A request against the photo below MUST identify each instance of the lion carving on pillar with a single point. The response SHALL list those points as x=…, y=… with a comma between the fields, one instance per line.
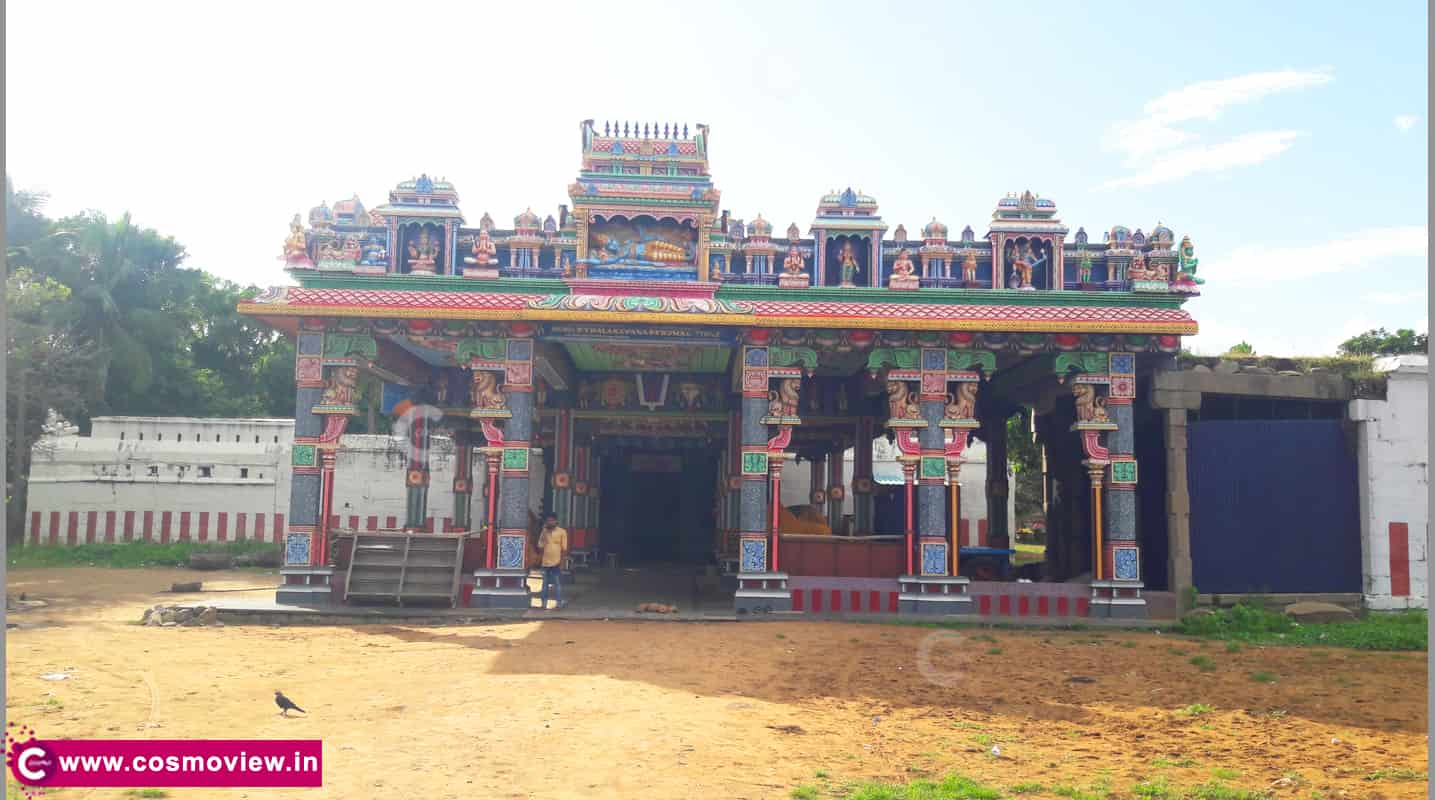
x=963, y=404
x=1089, y=407
x=900, y=404
x=340, y=388
x=486, y=394
x=783, y=401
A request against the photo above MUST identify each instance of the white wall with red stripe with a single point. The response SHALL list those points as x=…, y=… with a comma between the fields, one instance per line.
x=167, y=479
x=1394, y=467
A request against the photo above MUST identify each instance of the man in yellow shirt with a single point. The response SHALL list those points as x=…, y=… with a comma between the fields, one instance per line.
x=552, y=548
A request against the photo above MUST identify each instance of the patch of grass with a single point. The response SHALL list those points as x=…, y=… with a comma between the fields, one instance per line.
x=148, y=793
x=1253, y=624
x=984, y=637
x=128, y=555
x=1176, y=651
x=1183, y=761
x=1203, y=663
x=1128, y=643
x=1263, y=677
x=782, y=636
x=1341, y=680
x=1220, y=791
x=1073, y=793
x=1225, y=774
x=952, y=787
x=983, y=739
x=1233, y=647
x=994, y=651
x=805, y=793
x=822, y=773
x=1396, y=775
x=1195, y=710
x=1026, y=788
x=1156, y=789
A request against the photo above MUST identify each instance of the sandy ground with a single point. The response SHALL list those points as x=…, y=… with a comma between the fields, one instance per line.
x=741, y=710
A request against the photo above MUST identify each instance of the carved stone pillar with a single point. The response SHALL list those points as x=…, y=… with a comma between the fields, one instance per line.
x=462, y=479
x=760, y=588
x=303, y=578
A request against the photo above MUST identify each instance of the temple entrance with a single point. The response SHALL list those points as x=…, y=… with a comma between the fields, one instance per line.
x=658, y=530
x=659, y=506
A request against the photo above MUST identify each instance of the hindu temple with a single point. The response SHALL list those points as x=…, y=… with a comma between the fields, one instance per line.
x=661, y=358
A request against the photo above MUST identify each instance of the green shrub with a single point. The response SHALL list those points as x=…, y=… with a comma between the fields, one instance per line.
x=1252, y=624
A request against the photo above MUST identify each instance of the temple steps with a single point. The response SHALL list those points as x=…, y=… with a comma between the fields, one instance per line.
x=405, y=568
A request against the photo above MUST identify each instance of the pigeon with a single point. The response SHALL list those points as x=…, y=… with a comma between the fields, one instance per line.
x=285, y=704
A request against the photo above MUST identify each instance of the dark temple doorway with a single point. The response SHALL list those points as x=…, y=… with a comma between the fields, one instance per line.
x=658, y=506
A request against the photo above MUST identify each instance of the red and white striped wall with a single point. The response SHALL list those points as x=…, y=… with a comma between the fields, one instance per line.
x=818, y=595
x=92, y=527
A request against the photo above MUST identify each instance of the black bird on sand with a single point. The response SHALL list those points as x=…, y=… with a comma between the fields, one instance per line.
x=285, y=704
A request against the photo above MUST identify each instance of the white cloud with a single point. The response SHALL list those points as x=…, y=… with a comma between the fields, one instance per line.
x=1242, y=151
x=1207, y=99
x=1260, y=265
x=1148, y=143
x=1405, y=122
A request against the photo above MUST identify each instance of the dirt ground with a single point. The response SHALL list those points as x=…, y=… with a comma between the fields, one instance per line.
x=720, y=710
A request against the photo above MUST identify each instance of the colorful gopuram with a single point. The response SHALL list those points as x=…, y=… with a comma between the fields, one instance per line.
x=657, y=360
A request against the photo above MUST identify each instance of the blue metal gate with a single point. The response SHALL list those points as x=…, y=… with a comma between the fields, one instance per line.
x=1274, y=507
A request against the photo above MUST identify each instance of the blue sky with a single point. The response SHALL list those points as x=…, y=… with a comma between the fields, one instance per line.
x=1287, y=139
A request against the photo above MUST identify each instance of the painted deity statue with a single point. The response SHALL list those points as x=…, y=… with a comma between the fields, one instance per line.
x=423, y=254
x=648, y=249
x=1089, y=407
x=345, y=251
x=1025, y=264
x=295, y=248
x=969, y=268
x=848, y=260
x=485, y=252
x=1083, y=269
x=340, y=388
x=794, y=263
x=962, y=404
x=1138, y=271
x=375, y=254
x=1186, y=262
x=903, y=266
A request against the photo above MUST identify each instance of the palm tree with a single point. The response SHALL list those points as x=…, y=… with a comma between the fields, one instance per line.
x=116, y=271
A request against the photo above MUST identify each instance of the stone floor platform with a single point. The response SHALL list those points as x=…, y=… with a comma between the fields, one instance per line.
x=259, y=612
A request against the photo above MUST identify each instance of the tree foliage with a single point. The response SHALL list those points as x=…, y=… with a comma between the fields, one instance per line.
x=1380, y=342
x=108, y=319
x=1242, y=349
x=1024, y=455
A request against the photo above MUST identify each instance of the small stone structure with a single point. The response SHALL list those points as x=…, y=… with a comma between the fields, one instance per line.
x=181, y=616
